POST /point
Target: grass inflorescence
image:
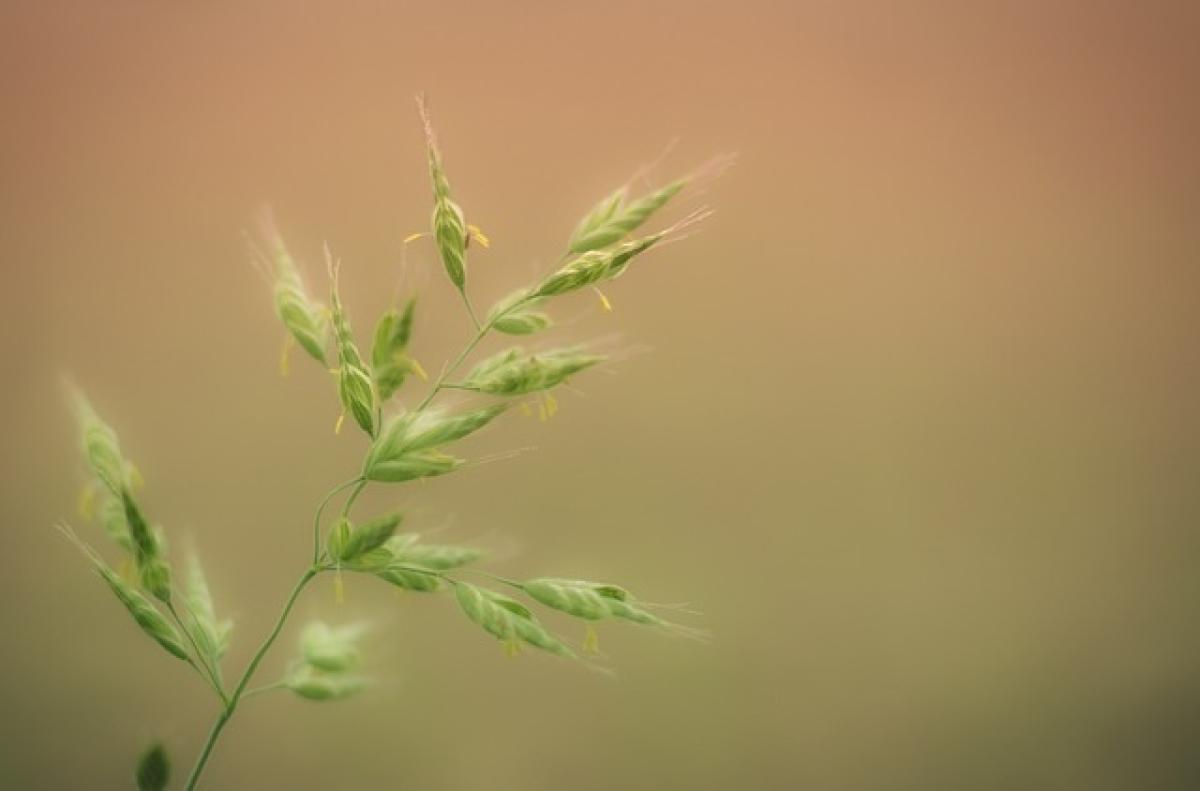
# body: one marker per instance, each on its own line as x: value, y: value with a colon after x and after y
x: 407, y: 439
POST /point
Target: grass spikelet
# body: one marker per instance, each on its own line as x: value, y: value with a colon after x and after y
x: 506, y: 619
x: 153, y: 769
x: 347, y: 542
x: 301, y: 316
x: 149, y: 619
x: 408, y: 445
x: 212, y: 634
x: 355, y: 388
x: 513, y: 373
x: 330, y: 649
x: 450, y: 230
x: 101, y: 447
x: 390, y: 363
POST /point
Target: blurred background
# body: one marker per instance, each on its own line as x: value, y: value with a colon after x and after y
x: 912, y: 421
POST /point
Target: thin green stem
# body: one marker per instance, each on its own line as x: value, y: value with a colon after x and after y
x: 470, y: 310
x: 229, y: 709
x: 264, y: 688
x: 362, y: 484
x: 482, y: 330
x: 321, y: 509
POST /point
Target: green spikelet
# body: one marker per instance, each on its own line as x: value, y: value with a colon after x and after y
x: 301, y: 316
x: 450, y: 230
x: 390, y: 363
x: 355, y: 388
x: 612, y: 219
x: 513, y: 372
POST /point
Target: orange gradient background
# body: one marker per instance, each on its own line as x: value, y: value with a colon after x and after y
x: 912, y: 421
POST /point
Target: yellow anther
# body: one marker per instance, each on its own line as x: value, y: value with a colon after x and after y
x: 339, y: 589
x: 542, y: 416
x: 512, y: 647
x: 337, y: 427
x: 479, y: 235
x: 604, y: 303
x: 551, y: 404
x: 285, y: 356
x: 591, y: 641
x: 128, y: 570
x: 87, y: 502
x: 412, y: 237
x: 135, y: 477
x: 418, y: 370
x: 525, y: 410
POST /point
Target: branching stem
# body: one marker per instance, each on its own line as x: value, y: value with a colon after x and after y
x: 228, y: 710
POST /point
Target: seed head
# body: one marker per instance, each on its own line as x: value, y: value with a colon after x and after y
x: 450, y: 229
x: 313, y: 685
x: 330, y: 649
x: 407, y: 447
x: 612, y: 219
x: 212, y: 634
x: 101, y: 447
x: 347, y: 542
x: 355, y: 387
x: 506, y: 619
x: 513, y: 372
x: 390, y: 363
x: 587, y: 600
x: 301, y: 316
x: 153, y: 769
x: 144, y: 613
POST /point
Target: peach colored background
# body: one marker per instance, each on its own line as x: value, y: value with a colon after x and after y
x: 913, y: 420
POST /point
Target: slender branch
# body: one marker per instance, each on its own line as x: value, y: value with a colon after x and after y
x: 482, y: 330
x: 321, y: 509
x: 470, y: 310
x: 362, y: 484
x: 264, y: 688
x: 231, y: 707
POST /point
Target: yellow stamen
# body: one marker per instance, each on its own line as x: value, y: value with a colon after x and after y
x: 337, y: 427
x: 87, y: 502
x: 591, y: 641
x: 542, y: 416
x: 339, y: 589
x: 285, y: 356
x: 551, y: 404
x: 478, y: 234
x: 412, y: 237
x: 127, y: 569
x: 512, y: 647
x: 135, y: 477
x: 418, y: 370
x: 525, y: 410
x: 604, y: 303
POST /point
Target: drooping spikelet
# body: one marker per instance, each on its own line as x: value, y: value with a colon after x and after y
x: 301, y: 316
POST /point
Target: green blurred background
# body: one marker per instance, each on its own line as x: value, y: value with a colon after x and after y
x: 913, y: 421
